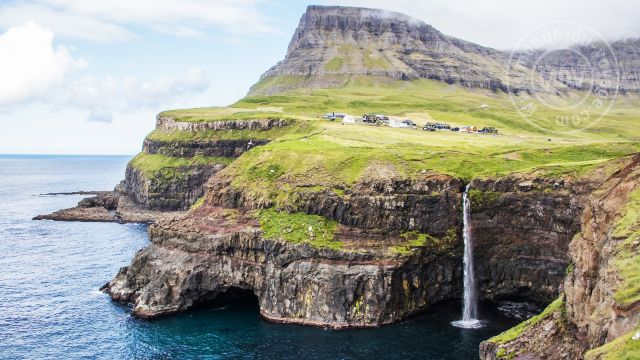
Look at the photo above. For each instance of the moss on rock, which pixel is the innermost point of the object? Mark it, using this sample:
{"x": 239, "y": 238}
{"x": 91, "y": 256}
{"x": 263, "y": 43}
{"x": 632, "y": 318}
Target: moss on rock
{"x": 298, "y": 228}
{"x": 482, "y": 199}
{"x": 514, "y": 332}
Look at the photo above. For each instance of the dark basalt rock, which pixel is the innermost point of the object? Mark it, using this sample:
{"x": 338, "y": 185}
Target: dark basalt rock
{"x": 186, "y": 266}
{"x": 589, "y": 315}
{"x": 184, "y": 186}
{"x": 222, "y": 148}
{"x": 522, "y": 229}
{"x": 177, "y": 192}
{"x": 428, "y": 205}
{"x": 201, "y": 256}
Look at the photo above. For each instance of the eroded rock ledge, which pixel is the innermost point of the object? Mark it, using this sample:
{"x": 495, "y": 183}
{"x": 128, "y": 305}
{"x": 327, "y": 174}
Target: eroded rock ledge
{"x": 109, "y": 207}
{"x": 522, "y": 229}
{"x": 219, "y": 249}
{"x": 212, "y": 251}
{"x": 166, "y": 123}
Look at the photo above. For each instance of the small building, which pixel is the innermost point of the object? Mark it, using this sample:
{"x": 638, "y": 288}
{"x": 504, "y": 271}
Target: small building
{"x": 438, "y": 126}
{"x": 400, "y": 123}
{"x": 348, "y": 119}
{"x": 375, "y": 119}
{"x": 332, "y": 116}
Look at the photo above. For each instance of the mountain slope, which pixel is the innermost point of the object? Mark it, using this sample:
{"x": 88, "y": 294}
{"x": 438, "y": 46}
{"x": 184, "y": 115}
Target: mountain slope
{"x": 332, "y": 44}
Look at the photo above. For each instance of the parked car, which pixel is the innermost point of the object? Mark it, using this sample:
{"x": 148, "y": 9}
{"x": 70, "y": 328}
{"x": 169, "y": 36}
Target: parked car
{"x": 439, "y": 126}
{"x": 332, "y": 116}
{"x": 455, "y": 129}
{"x": 409, "y": 123}
{"x": 488, "y": 130}
{"x": 374, "y": 119}
{"x": 428, "y": 128}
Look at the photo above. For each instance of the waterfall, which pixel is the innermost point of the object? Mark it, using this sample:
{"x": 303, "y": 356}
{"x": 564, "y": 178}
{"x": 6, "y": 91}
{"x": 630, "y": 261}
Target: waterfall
{"x": 469, "y": 312}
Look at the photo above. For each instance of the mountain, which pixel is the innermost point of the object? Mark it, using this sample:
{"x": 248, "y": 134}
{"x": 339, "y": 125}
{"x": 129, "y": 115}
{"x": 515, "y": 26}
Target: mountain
{"x": 345, "y": 224}
{"x": 333, "y": 43}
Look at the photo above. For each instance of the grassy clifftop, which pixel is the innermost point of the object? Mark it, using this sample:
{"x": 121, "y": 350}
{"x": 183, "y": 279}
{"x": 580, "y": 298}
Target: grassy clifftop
{"x": 316, "y": 154}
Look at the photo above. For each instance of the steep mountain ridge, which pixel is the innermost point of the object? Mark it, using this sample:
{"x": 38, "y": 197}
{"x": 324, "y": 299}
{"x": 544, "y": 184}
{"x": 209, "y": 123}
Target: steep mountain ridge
{"x": 333, "y": 43}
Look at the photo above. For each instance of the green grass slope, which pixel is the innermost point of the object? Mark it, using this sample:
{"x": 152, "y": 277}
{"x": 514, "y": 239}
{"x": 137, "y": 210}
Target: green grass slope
{"x": 317, "y": 154}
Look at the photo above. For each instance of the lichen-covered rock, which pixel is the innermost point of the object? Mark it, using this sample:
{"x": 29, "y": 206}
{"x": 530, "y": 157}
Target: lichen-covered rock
{"x": 430, "y": 204}
{"x": 219, "y": 249}
{"x": 522, "y": 226}
{"x": 550, "y": 328}
{"x": 167, "y": 123}
{"x": 185, "y": 149}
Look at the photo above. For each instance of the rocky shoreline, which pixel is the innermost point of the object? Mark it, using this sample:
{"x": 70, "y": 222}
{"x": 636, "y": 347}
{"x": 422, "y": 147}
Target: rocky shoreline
{"x": 109, "y": 207}
{"x": 200, "y": 256}
{"x": 523, "y": 225}
{"x": 203, "y": 255}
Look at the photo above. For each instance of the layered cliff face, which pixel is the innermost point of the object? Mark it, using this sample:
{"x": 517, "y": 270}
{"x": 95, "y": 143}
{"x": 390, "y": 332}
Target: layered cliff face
{"x": 332, "y": 40}
{"x": 176, "y": 188}
{"x": 179, "y": 157}
{"x": 597, "y": 316}
{"x": 364, "y": 277}
{"x": 428, "y": 205}
{"x": 396, "y": 249}
{"x": 332, "y": 44}
{"x": 522, "y": 229}
{"x": 597, "y": 67}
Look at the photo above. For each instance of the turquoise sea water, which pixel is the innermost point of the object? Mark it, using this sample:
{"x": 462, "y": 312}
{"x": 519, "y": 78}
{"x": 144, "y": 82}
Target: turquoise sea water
{"x": 50, "y": 307}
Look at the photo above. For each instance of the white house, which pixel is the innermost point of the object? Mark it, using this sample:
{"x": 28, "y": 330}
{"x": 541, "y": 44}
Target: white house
{"x": 401, "y": 123}
{"x": 348, "y": 119}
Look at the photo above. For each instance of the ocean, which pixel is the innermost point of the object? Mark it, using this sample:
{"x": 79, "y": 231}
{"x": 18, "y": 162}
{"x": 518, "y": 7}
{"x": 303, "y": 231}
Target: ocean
{"x": 50, "y": 306}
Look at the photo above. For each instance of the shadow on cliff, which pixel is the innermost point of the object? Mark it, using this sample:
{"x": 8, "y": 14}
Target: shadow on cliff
{"x": 232, "y": 296}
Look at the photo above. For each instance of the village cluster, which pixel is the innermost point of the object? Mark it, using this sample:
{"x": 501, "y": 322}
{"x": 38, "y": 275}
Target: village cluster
{"x": 383, "y": 120}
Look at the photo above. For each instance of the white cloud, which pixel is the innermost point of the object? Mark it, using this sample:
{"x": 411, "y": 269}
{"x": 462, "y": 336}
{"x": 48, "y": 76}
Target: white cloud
{"x": 102, "y": 95}
{"x": 30, "y": 65}
{"x": 100, "y": 20}
{"x": 63, "y": 23}
{"x": 502, "y": 23}
{"x": 33, "y": 70}
{"x": 100, "y": 115}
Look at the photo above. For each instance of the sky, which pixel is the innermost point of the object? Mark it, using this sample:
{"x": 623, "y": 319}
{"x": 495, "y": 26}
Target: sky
{"x": 89, "y": 76}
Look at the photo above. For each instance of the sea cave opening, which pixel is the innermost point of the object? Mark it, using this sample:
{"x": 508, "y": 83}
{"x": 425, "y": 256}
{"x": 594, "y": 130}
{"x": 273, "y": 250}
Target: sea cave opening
{"x": 232, "y": 296}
